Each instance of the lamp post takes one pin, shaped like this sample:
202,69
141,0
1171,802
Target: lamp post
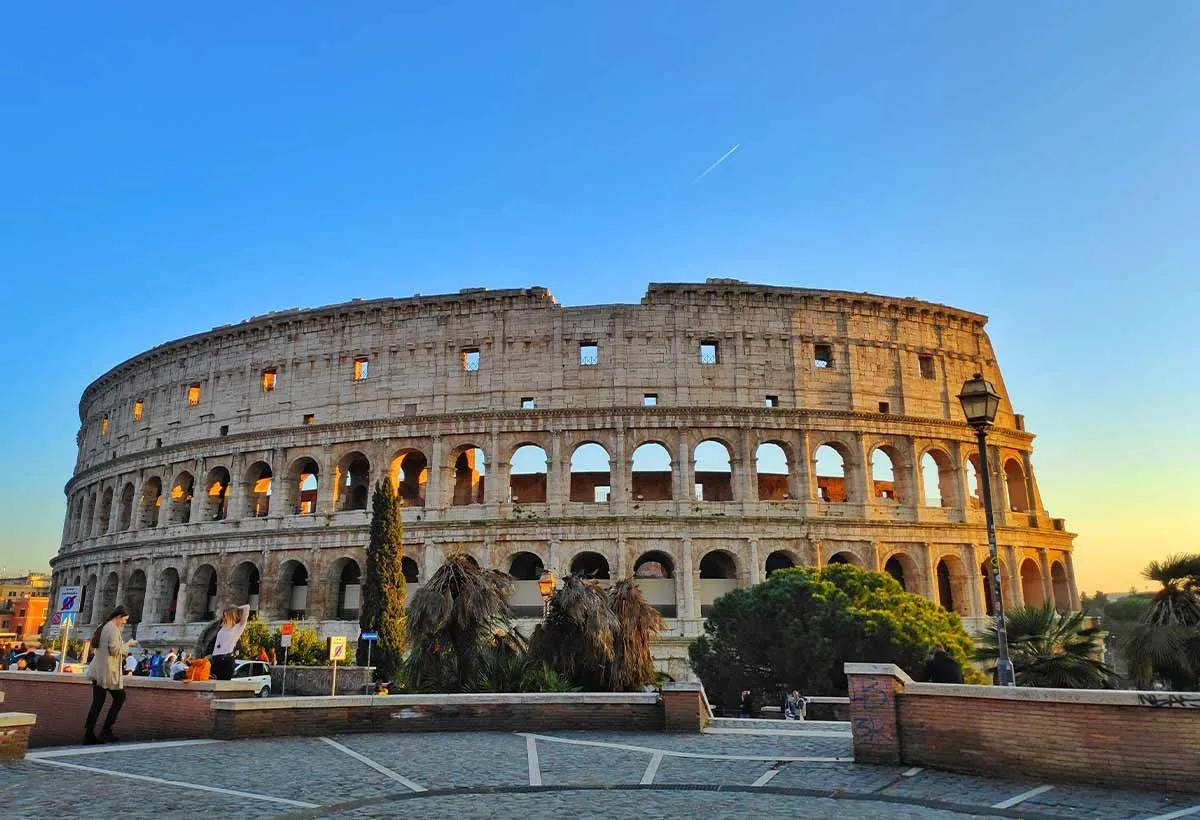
546,585
980,402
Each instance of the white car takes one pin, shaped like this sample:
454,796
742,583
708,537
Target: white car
256,672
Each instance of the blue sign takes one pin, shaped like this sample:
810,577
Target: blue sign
369,636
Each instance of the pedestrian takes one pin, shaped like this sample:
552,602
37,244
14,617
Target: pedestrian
156,664
746,704
105,675
169,661
793,706
179,667
130,662
233,622
940,667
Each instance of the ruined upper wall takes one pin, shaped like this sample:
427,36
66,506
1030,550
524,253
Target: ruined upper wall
529,348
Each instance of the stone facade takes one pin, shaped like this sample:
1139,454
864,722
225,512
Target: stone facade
235,465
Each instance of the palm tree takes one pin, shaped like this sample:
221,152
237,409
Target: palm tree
638,624
577,638
1049,649
1165,646
1177,603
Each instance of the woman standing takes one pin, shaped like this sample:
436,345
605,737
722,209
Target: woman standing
233,622
105,674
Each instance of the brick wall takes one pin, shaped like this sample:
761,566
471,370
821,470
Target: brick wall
1113,738
154,709
14,734
317,680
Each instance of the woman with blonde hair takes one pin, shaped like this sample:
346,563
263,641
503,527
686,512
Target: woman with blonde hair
105,674
233,622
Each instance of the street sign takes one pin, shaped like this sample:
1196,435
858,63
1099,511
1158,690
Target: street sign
285,640
287,629
337,648
68,599
369,636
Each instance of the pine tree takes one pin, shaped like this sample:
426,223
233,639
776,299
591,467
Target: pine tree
383,588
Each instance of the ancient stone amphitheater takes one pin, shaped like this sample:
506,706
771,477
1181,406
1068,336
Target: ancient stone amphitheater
697,441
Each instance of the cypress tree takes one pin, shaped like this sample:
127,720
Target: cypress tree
383,587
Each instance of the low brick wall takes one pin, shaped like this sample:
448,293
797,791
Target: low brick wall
14,734
316,680
499,712
155,709
1116,738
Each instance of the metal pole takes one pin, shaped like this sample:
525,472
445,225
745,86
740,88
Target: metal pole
283,685
369,653
1004,667
333,685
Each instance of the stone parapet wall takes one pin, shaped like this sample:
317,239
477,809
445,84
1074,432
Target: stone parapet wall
318,680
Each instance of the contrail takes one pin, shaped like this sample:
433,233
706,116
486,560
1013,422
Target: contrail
724,157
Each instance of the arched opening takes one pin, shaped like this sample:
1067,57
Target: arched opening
181,499
652,475
526,599
108,595
901,567
135,595
151,502
347,578
883,475
168,595
87,601
718,575
937,479
654,564
470,470
591,565
106,502
258,490
973,490
246,586
352,482
90,518
1062,588
845,557
832,486
653,573
712,473
527,475
126,516
410,476
951,585
412,573
76,516
202,594
591,480
985,570
293,589
216,494
1031,583
779,560
772,467
303,485
525,566
1014,480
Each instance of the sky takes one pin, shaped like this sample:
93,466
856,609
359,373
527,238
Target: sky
168,170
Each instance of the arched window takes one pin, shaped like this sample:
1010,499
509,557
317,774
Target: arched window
712,474
1031,583
652,572
135,595
168,595
1014,480
937,479
654,564
246,587
90,518
771,466
591,480
410,476
108,595
974,491
525,566
951,585
895,567
590,565
202,593
1062,588
844,557
779,560
652,475
352,482
527,475
106,502
151,502
347,578
303,486
293,590
216,494
883,475
412,573
125,517
470,468
181,499
832,486
258,490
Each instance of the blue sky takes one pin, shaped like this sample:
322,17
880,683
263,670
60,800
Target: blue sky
169,170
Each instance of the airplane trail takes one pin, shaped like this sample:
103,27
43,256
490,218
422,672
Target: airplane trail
724,157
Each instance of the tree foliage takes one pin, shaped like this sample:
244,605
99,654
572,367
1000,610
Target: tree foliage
1164,645
1049,649
797,629
383,587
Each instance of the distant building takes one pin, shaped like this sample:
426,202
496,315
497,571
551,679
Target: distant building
32,584
24,601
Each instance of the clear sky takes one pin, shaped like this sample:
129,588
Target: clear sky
167,170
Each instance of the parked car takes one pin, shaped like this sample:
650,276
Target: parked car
257,672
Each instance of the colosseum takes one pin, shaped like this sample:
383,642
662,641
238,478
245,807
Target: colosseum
697,441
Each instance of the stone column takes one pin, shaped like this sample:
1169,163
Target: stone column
959,452
915,495
1047,581
687,607
280,492
753,573
235,496
746,470
1014,595
685,492
199,491
435,488
558,475
327,490
974,582
1071,581
862,488
620,474
181,600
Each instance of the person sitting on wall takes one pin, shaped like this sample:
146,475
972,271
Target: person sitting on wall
941,667
47,662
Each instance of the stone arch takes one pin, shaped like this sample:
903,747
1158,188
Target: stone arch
985,570
1031,583
773,467
180,511
90,518
470,475
303,485
87,601
106,503
653,573
258,481
245,586
151,502
108,594
780,559
352,482
135,595
202,593
591,565
951,586
1061,587
525,566
654,564
409,470
974,487
845,557
652,481
718,564
831,464
412,572
903,568
712,471
125,516
216,495
885,462
527,475
345,576
1014,483
937,478
168,595
591,476
293,590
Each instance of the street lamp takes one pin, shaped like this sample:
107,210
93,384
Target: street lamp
980,402
546,585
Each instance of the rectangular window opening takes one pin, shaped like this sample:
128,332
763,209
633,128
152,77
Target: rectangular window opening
709,352
470,359
649,399
361,365
823,355
309,418
268,379
601,493
771,401
104,426
224,429
139,407
884,407
410,409
527,403
193,395
926,366
589,354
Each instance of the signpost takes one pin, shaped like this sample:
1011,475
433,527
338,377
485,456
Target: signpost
285,640
64,615
370,638
337,652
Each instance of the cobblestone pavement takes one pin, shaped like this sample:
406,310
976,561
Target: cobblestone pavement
562,774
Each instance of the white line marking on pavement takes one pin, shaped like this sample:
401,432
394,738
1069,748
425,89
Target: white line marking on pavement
1021,798
765,777
775,732
109,748
652,768
399,778
1174,814
148,779
535,771
668,753
913,772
